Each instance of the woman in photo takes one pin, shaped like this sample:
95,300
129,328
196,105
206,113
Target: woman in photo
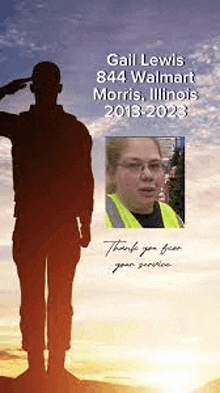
135,177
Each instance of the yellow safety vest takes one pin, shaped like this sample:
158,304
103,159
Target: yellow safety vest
118,216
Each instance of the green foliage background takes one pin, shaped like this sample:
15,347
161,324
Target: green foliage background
177,188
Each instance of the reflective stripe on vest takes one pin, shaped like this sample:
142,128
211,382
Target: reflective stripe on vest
118,216
113,214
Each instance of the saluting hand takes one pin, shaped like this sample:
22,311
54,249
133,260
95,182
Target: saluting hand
14,86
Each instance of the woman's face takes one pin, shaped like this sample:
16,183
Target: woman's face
139,175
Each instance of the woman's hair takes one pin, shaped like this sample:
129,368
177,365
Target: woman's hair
114,150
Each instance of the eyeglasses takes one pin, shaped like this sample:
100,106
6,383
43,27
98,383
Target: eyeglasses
137,167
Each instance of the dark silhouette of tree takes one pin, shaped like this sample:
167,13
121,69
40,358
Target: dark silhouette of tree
177,187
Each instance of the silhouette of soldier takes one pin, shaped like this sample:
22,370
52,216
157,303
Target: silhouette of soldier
53,187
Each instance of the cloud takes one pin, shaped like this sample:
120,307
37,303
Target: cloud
102,126
21,40
5,167
207,52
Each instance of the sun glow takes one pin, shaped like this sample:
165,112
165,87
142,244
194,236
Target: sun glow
177,372
177,381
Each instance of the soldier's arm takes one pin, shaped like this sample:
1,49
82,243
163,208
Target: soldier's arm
13,87
88,190
7,120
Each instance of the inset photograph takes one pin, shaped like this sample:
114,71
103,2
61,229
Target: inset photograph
145,182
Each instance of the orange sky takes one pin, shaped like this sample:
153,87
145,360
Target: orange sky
153,326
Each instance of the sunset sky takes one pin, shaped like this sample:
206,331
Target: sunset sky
148,326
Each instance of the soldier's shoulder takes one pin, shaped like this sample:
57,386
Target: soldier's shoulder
77,124
24,114
8,115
